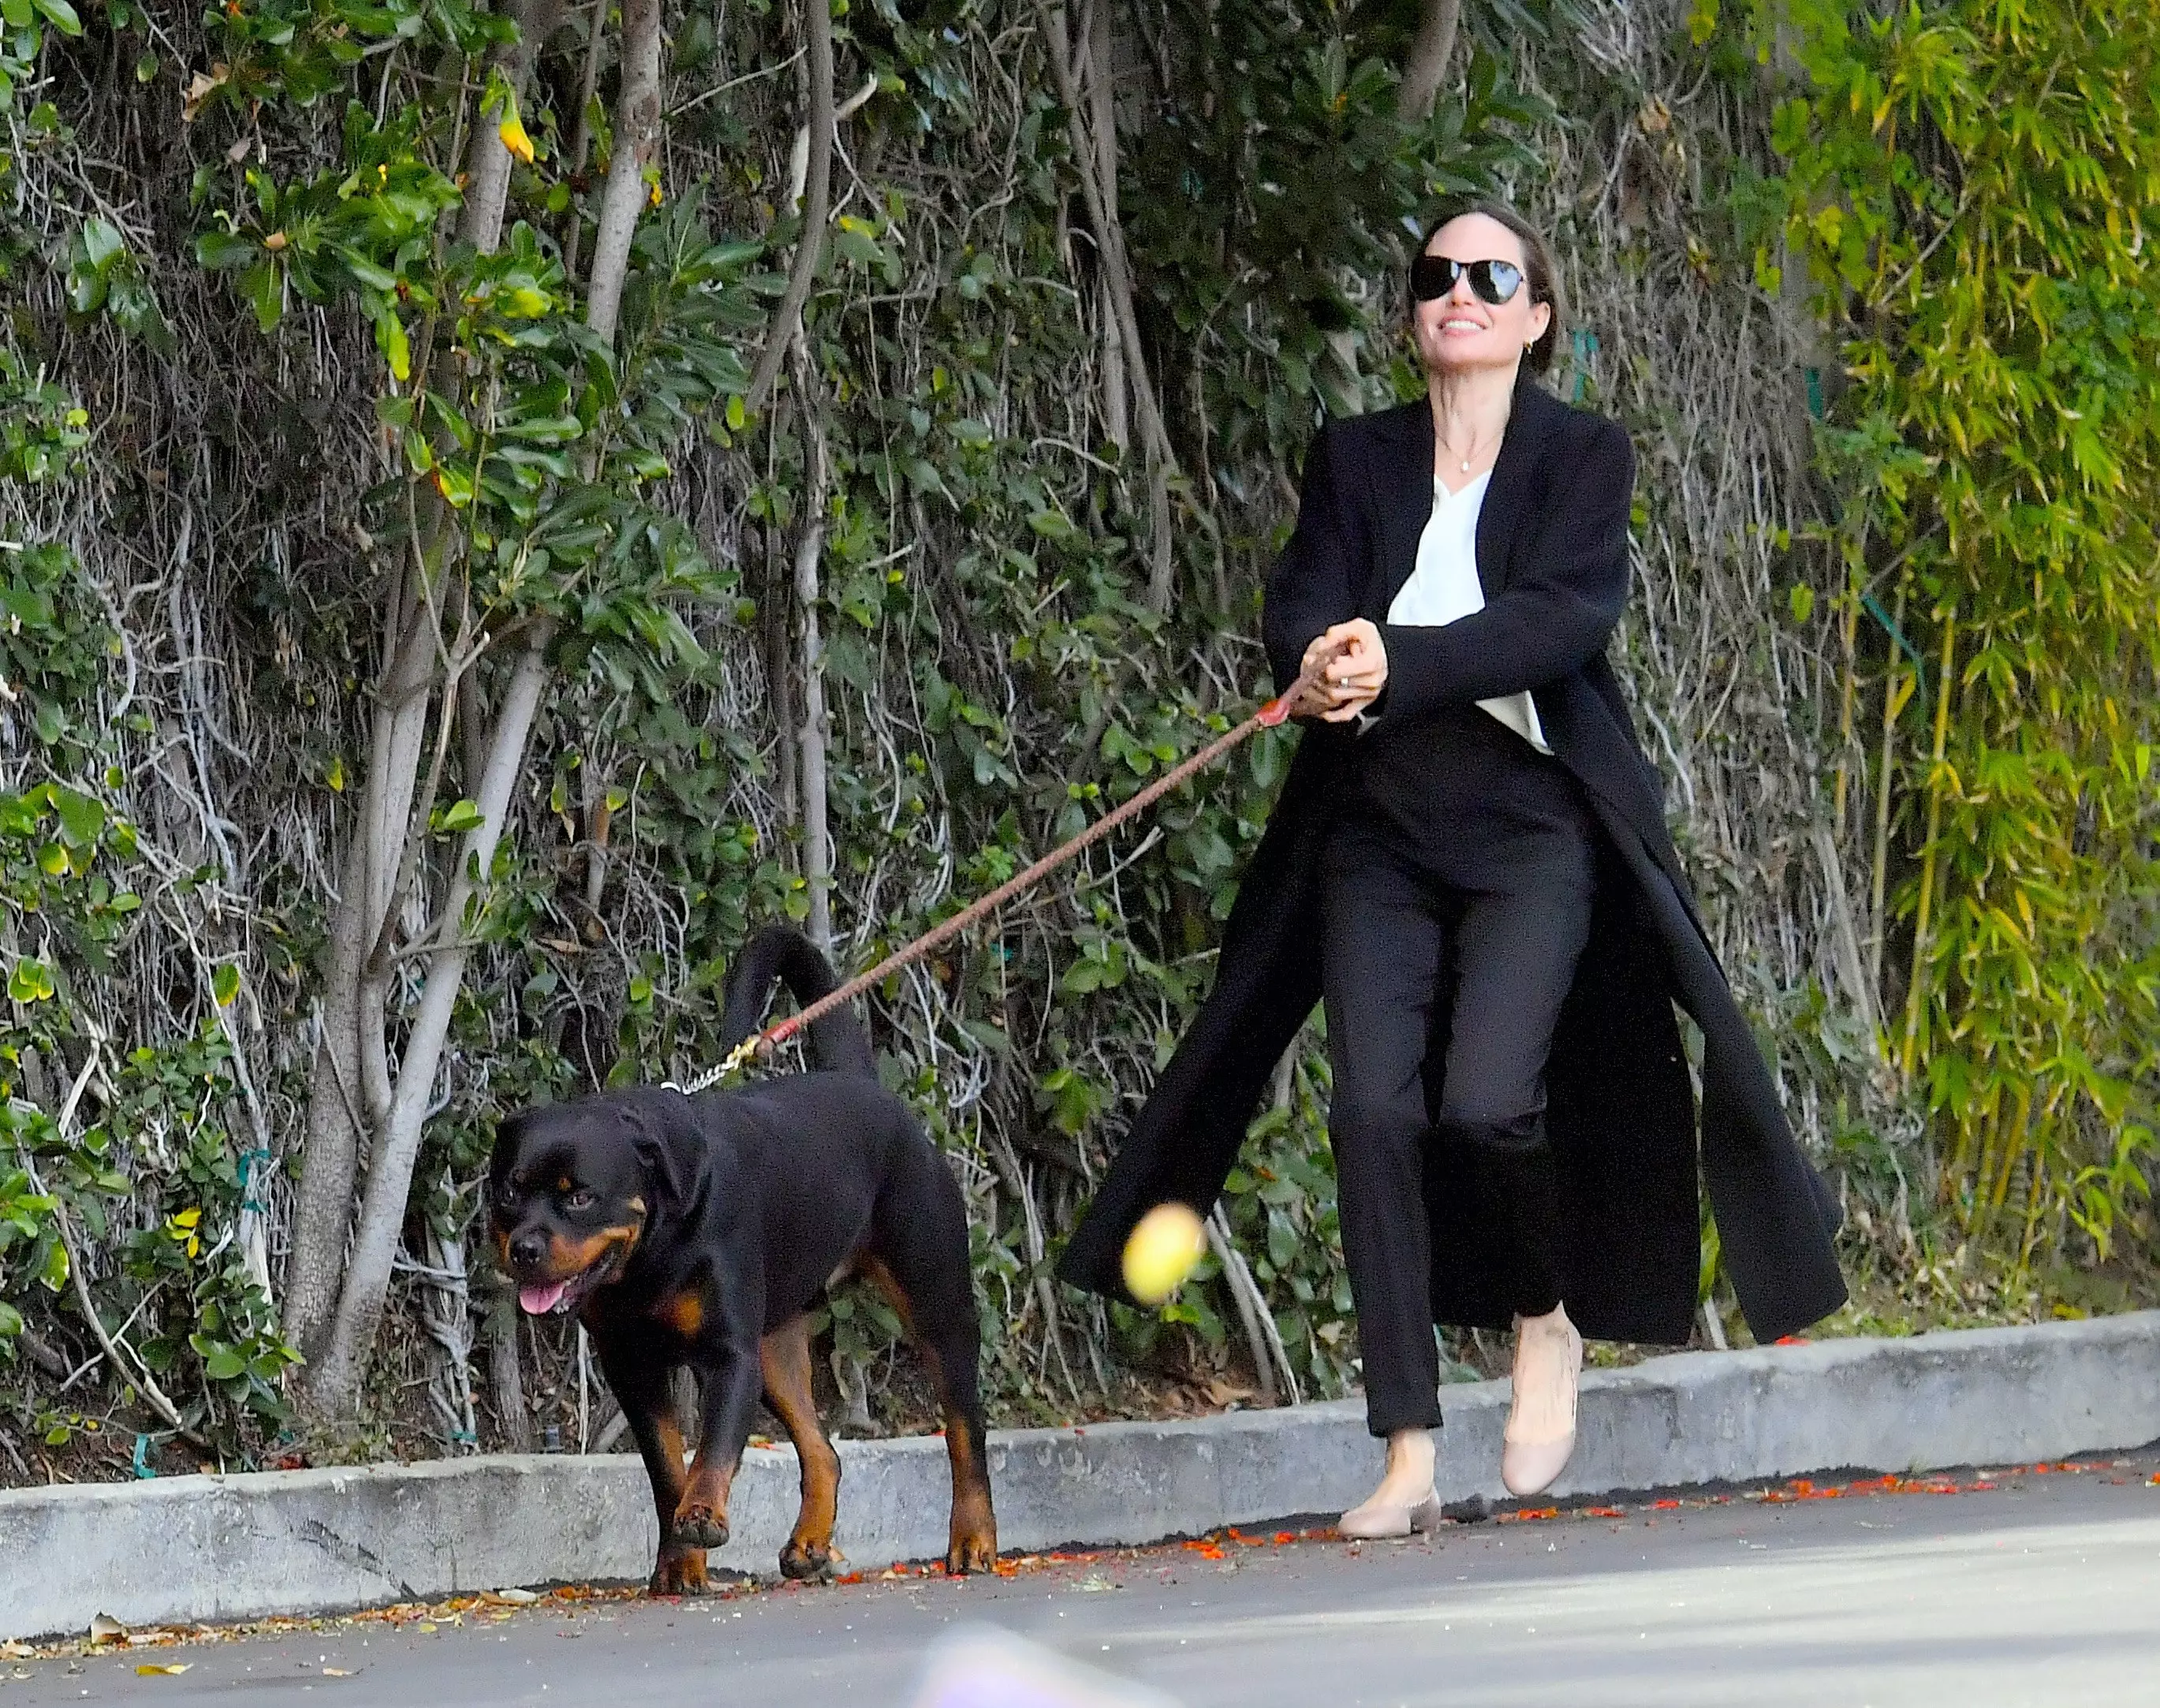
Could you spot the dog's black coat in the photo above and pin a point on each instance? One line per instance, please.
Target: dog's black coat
(698, 1232)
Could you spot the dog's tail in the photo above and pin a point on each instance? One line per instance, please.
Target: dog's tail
(838, 1041)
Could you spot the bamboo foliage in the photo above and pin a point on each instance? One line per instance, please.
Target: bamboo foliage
(1972, 186)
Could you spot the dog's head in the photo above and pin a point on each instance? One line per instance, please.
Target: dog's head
(570, 1191)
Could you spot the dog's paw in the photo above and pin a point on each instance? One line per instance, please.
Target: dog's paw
(972, 1550)
(697, 1525)
(807, 1561)
(680, 1572)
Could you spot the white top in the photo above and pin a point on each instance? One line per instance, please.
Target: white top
(1444, 587)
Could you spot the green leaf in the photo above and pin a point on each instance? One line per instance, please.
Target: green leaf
(62, 15)
(224, 984)
(82, 817)
(1803, 601)
(224, 1363)
(458, 818)
(395, 347)
(221, 252)
(266, 290)
(54, 1276)
(1081, 978)
(103, 243)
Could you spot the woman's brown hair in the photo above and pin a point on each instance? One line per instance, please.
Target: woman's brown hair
(1540, 269)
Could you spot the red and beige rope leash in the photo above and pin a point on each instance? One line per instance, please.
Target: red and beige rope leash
(763, 1043)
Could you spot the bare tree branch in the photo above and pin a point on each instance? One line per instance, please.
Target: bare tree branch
(128, 1369)
(817, 845)
(488, 161)
(817, 204)
(1102, 112)
(1089, 156)
(636, 139)
(581, 136)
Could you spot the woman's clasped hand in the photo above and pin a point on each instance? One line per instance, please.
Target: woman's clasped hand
(1354, 680)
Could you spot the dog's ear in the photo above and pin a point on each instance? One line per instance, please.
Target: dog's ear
(509, 1140)
(656, 1154)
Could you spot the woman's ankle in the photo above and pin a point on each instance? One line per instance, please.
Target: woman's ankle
(1410, 1457)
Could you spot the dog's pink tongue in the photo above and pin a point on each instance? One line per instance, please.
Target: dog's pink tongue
(538, 1301)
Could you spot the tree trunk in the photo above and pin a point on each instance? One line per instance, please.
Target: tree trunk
(322, 1208)
(773, 617)
(817, 845)
(409, 673)
(349, 1091)
(1431, 49)
(507, 1366)
(636, 139)
(334, 1380)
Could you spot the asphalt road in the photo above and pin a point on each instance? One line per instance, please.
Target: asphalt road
(2040, 1589)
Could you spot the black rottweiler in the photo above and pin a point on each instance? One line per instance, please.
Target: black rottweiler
(699, 1232)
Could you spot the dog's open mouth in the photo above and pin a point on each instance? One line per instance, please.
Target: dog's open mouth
(537, 1300)
(546, 1298)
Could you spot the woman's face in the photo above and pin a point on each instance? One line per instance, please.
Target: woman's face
(1461, 332)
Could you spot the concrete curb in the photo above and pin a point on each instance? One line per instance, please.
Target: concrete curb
(188, 1549)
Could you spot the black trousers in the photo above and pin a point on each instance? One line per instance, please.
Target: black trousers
(1455, 895)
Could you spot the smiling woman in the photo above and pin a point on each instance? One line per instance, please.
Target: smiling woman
(1469, 863)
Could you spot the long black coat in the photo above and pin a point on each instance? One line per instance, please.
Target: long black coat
(1552, 558)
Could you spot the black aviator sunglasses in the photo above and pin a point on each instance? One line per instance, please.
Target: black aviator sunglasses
(1432, 277)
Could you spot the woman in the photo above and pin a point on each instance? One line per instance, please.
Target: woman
(1469, 863)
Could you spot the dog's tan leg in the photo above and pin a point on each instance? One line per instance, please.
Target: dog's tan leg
(971, 1542)
(649, 1404)
(784, 1361)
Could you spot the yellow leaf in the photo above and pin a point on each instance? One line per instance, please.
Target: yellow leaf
(152, 1669)
(335, 776)
(188, 1219)
(512, 130)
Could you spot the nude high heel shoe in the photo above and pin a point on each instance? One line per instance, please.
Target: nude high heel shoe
(1540, 1434)
(1376, 1518)
(1397, 1507)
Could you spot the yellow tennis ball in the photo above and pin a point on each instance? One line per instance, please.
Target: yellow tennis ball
(1162, 1251)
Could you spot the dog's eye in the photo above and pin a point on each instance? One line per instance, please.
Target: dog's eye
(581, 1199)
